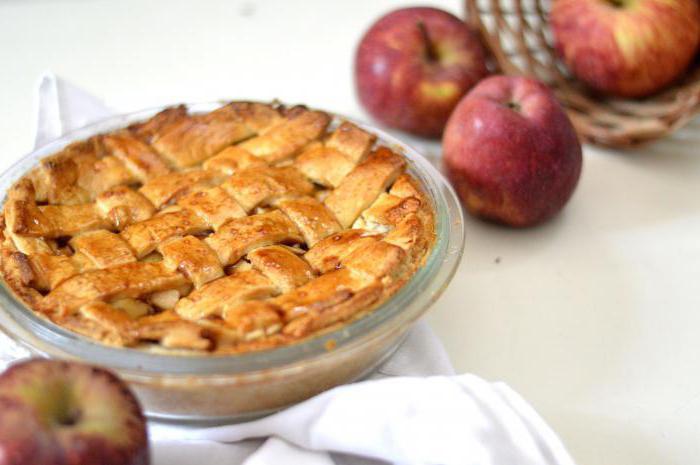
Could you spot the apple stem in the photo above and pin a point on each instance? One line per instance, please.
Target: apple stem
(430, 51)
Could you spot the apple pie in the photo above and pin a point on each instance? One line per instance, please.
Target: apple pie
(250, 227)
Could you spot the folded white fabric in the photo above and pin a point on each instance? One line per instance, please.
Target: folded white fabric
(405, 420)
(414, 410)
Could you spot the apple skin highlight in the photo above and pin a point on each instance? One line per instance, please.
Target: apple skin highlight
(511, 152)
(627, 48)
(406, 84)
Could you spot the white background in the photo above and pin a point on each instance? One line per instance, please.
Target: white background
(593, 317)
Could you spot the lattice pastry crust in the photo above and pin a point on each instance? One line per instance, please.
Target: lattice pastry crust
(246, 228)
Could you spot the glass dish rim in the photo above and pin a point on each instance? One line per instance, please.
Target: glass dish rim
(449, 241)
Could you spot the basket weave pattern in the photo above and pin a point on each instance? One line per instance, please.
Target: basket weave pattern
(518, 36)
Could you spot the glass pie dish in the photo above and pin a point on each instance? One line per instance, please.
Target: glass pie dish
(217, 388)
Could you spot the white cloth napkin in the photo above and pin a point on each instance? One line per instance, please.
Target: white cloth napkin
(413, 410)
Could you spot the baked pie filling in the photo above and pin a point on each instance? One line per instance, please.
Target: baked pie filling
(249, 227)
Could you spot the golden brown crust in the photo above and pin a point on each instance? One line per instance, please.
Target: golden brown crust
(288, 137)
(327, 254)
(213, 299)
(246, 228)
(128, 280)
(364, 184)
(193, 258)
(145, 236)
(102, 248)
(312, 217)
(123, 206)
(281, 266)
(193, 141)
(138, 157)
(261, 186)
(324, 166)
(351, 141)
(159, 123)
(241, 235)
(73, 175)
(232, 159)
(167, 188)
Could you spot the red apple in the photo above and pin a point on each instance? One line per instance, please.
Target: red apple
(628, 48)
(413, 65)
(64, 413)
(511, 151)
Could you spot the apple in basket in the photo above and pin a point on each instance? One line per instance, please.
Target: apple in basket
(628, 48)
(64, 413)
(413, 65)
(511, 151)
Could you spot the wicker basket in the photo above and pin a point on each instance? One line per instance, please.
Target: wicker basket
(517, 34)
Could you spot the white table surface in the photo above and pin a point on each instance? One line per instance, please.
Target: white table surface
(593, 317)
